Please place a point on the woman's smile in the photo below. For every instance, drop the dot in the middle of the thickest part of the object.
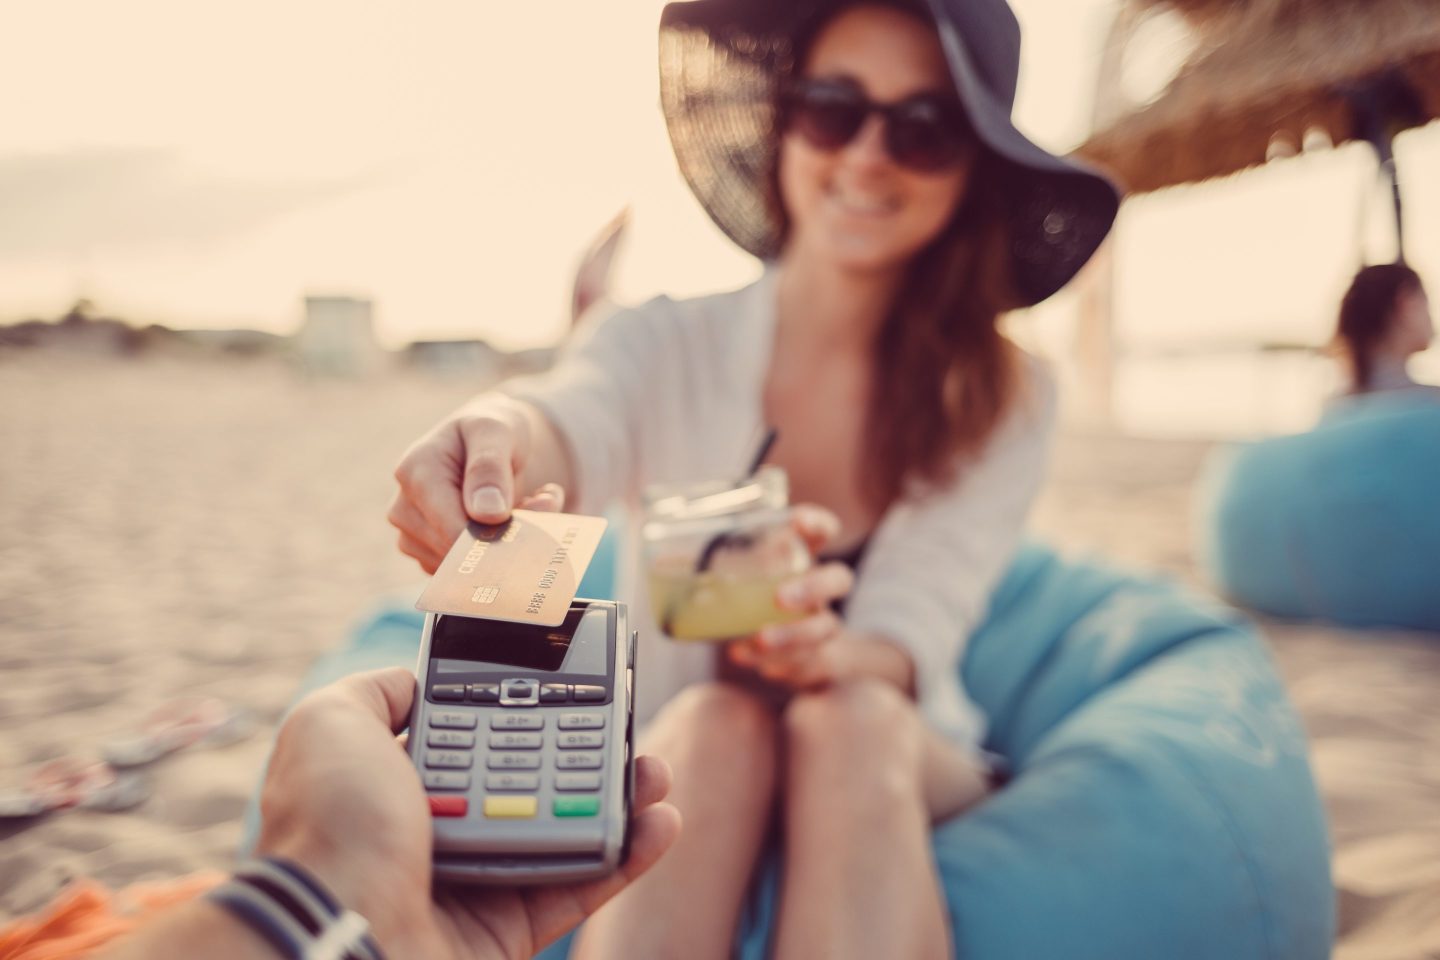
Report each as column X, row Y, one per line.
column 861, row 203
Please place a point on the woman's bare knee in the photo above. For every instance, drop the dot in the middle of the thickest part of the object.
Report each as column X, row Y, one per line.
column 711, row 731
column 865, row 727
column 855, row 713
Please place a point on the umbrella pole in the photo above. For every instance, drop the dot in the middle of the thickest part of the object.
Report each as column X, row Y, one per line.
column 1095, row 326
column 1381, row 103
column 1386, row 149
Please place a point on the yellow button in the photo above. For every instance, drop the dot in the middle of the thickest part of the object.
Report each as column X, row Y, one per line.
column 512, row 808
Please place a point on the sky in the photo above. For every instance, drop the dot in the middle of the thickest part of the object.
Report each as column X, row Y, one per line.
column 210, row 165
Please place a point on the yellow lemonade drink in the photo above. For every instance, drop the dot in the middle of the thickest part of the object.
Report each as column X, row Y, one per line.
column 714, row 606
column 716, row 552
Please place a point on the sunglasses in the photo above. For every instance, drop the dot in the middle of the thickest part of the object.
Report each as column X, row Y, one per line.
column 927, row 132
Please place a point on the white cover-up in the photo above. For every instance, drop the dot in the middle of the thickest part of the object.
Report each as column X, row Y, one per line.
column 670, row 391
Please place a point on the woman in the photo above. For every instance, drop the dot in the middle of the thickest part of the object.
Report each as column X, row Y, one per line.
column 1384, row 321
column 865, row 151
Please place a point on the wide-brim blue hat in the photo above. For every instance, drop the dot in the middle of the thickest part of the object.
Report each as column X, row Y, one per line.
column 721, row 65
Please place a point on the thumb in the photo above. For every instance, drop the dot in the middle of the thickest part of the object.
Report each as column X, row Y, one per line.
column 815, row 525
column 490, row 468
column 388, row 694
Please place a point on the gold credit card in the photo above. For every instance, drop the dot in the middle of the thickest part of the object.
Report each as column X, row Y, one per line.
column 526, row 570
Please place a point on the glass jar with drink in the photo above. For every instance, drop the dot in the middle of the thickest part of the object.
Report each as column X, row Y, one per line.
column 716, row 552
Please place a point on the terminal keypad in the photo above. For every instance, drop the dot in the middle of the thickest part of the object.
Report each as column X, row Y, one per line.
column 519, row 755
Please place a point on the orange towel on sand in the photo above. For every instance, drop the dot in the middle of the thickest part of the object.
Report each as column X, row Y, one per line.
column 86, row 916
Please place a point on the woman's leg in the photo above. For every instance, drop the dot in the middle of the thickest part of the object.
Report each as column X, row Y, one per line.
column 720, row 741
column 954, row 781
column 859, row 877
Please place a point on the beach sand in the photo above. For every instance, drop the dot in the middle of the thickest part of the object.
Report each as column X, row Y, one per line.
column 178, row 525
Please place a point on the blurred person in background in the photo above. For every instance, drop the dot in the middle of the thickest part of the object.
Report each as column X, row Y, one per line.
column 1384, row 321
column 900, row 215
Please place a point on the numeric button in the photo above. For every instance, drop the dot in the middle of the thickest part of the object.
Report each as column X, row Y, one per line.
column 581, row 740
column 447, row 780
column 518, row 721
column 452, row 720
column 515, row 741
column 447, row 760
column 579, row 761
column 513, row 761
column 582, row 721
column 523, row 782
column 455, row 739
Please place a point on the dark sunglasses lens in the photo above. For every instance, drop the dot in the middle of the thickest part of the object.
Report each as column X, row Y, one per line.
column 828, row 117
column 926, row 136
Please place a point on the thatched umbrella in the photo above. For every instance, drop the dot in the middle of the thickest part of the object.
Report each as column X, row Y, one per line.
column 1268, row 73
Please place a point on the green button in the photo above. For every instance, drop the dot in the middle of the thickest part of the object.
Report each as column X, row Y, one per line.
column 577, row 806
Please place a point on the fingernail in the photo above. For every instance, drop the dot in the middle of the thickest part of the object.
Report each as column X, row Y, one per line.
column 792, row 595
column 488, row 501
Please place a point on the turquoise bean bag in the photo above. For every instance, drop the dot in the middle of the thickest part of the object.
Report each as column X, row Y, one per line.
column 1339, row 524
column 1161, row 805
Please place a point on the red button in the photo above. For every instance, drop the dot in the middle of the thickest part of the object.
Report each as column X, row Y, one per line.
column 448, row 806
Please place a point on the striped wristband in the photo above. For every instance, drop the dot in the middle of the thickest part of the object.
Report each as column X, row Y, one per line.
column 286, row 905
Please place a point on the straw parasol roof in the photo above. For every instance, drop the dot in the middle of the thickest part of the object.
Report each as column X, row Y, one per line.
column 1197, row 11
column 1275, row 72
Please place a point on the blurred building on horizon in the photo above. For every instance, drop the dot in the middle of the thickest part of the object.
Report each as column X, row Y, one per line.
column 338, row 336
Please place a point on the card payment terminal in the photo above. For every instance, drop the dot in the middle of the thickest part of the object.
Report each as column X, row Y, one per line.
column 523, row 738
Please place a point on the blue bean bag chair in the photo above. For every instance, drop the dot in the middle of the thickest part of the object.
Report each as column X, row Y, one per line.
column 1161, row 805
column 1339, row 524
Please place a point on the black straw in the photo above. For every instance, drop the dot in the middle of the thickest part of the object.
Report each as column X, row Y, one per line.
column 716, row 542
column 771, row 436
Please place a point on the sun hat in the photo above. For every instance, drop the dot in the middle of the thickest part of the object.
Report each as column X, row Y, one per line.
column 722, row 63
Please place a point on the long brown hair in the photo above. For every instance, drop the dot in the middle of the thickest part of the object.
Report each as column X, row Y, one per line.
column 1366, row 315
column 944, row 375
